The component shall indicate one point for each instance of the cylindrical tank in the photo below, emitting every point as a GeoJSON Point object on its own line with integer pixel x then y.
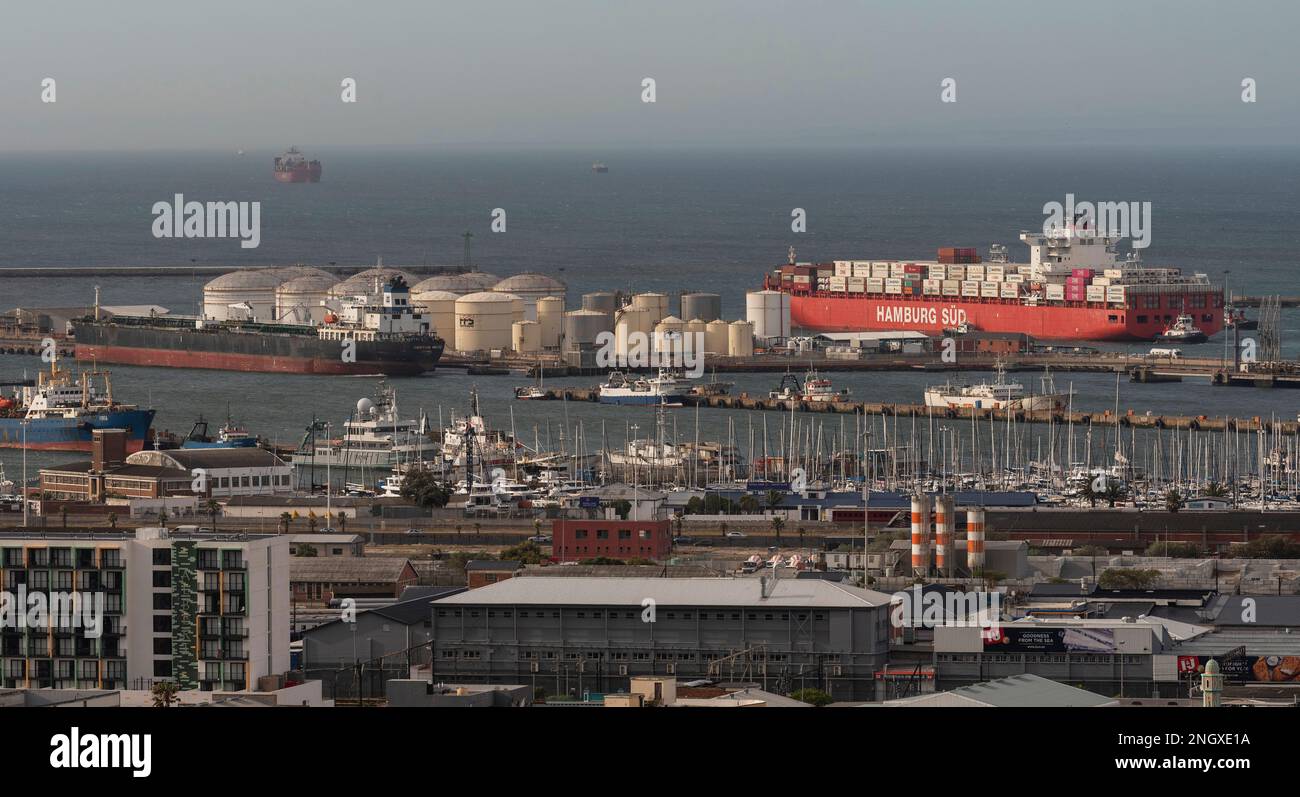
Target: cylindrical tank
{"type": "Point", "coordinates": [363, 283]}
{"type": "Point", "coordinates": [769, 312]}
{"type": "Point", "coordinates": [668, 335]}
{"type": "Point", "coordinates": [704, 306]}
{"type": "Point", "coordinates": [440, 307]}
{"type": "Point", "coordinates": [944, 523]}
{"type": "Point", "coordinates": [484, 319]}
{"type": "Point", "coordinates": [740, 339]}
{"type": "Point", "coordinates": [920, 535]}
{"type": "Point", "coordinates": [466, 282]}
{"type": "Point", "coordinates": [530, 288]}
{"type": "Point", "coordinates": [697, 333]}
{"type": "Point", "coordinates": [582, 327]}
{"type": "Point", "coordinates": [253, 287]}
{"type": "Point", "coordinates": [632, 330]}
{"type": "Point", "coordinates": [299, 300]}
{"type": "Point", "coordinates": [715, 338]}
{"type": "Point", "coordinates": [550, 314]}
{"type": "Point", "coordinates": [974, 539]}
{"type": "Point", "coordinates": [601, 302]}
{"type": "Point", "coordinates": [655, 303]}
{"type": "Point", "coordinates": [526, 337]}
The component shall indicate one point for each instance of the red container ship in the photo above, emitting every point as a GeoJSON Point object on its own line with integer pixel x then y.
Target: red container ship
{"type": "Point", "coordinates": [293, 167]}
{"type": "Point", "coordinates": [1074, 287]}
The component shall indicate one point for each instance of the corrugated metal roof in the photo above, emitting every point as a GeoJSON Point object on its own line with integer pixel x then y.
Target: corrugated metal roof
{"type": "Point", "coordinates": [785, 592]}
{"type": "Point", "coordinates": [345, 569]}
{"type": "Point", "coordinates": [1025, 690]}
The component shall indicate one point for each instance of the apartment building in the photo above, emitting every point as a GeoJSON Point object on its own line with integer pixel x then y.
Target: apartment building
{"type": "Point", "coordinates": [205, 611]}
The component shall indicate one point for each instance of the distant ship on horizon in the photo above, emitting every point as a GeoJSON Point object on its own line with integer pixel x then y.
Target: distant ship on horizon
{"type": "Point", "coordinates": [599, 168]}
{"type": "Point", "coordinates": [293, 167]}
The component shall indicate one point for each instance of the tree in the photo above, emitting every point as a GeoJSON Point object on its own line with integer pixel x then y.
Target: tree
{"type": "Point", "coordinates": [1115, 491]}
{"type": "Point", "coordinates": [306, 550]}
{"type": "Point", "coordinates": [1215, 490]}
{"type": "Point", "coordinates": [422, 488]}
{"type": "Point", "coordinates": [773, 498]}
{"type": "Point", "coordinates": [285, 520]}
{"type": "Point", "coordinates": [1273, 546]}
{"type": "Point", "coordinates": [1128, 578]}
{"type": "Point", "coordinates": [162, 516]}
{"type": "Point", "coordinates": [164, 694]}
{"type": "Point", "coordinates": [1173, 500]}
{"type": "Point", "coordinates": [1176, 550]}
{"type": "Point", "coordinates": [622, 508]}
{"type": "Point", "coordinates": [213, 508]}
{"type": "Point", "coordinates": [528, 552]}
{"type": "Point", "coordinates": [815, 697]}
{"type": "Point", "coordinates": [749, 504]}
{"type": "Point", "coordinates": [801, 533]}
{"type": "Point", "coordinates": [311, 523]}
{"type": "Point", "coordinates": [1089, 494]}
{"type": "Point", "coordinates": [778, 523]}
{"type": "Point", "coordinates": [112, 521]}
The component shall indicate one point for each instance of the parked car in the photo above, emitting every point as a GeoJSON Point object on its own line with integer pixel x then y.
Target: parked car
{"type": "Point", "coordinates": [735, 534]}
{"type": "Point", "coordinates": [540, 539]}
{"type": "Point", "coordinates": [415, 531]}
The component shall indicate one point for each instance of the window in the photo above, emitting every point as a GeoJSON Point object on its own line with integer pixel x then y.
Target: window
{"type": "Point", "coordinates": [162, 646]}
{"type": "Point", "coordinates": [162, 556]}
{"type": "Point", "coordinates": [162, 623]}
{"type": "Point", "coordinates": [602, 534]}
{"type": "Point", "coordinates": [162, 668]}
{"type": "Point", "coordinates": [162, 600]}
{"type": "Point", "coordinates": [162, 578]}
{"type": "Point", "coordinates": [625, 534]}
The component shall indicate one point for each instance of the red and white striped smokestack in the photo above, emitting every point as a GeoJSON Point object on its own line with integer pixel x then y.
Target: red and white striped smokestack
{"type": "Point", "coordinates": [920, 535]}
{"type": "Point", "coordinates": [974, 539]}
{"type": "Point", "coordinates": [944, 525]}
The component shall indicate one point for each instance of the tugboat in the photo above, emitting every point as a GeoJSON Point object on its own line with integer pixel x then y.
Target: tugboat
{"type": "Point", "coordinates": [814, 388]}
{"type": "Point", "coordinates": [228, 436]}
{"type": "Point", "coordinates": [1183, 330]}
{"type": "Point", "coordinates": [1236, 319]}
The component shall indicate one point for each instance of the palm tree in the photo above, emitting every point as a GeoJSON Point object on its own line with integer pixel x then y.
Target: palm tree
{"type": "Point", "coordinates": [164, 694]}
{"type": "Point", "coordinates": [162, 517]}
{"type": "Point", "coordinates": [778, 523]}
{"type": "Point", "coordinates": [112, 521]}
{"type": "Point", "coordinates": [773, 498]}
{"type": "Point", "coordinates": [285, 520]}
{"type": "Point", "coordinates": [212, 508]}
{"type": "Point", "coordinates": [1173, 500]}
{"type": "Point", "coordinates": [1115, 490]}
{"type": "Point", "coordinates": [1215, 490]}
{"type": "Point", "coordinates": [311, 523]}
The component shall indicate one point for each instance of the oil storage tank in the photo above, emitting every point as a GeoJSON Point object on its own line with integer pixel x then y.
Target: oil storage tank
{"type": "Point", "coordinates": [656, 304]}
{"type": "Point", "coordinates": [466, 282]}
{"type": "Point", "coordinates": [531, 287]}
{"type": "Point", "coordinates": [550, 315]}
{"type": "Point", "coordinates": [769, 312]}
{"type": "Point", "coordinates": [252, 287]}
{"type": "Point", "coordinates": [582, 330]}
{"type": "Point", "coordinates": [703, 306]}
{"type": "Point", "coordinates": [440, 307]}
{"type": "Point", "coordinates": [600, 301]}
{"type": "Point", "coordinates": [526, 337]}
{"type": "Point", "coordinates": [715, 338]}
{"type": "Point", "coordinates": [740, 339]}
{"type": "Point", "coordinates": [484, 320]}
{"type": "Point", "coordinates": [633, 329]}
{"type": "Point", "coordinates": [301, 299]}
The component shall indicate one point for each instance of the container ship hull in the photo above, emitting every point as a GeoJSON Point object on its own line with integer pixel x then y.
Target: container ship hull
{"type": "Point", "coordinates": [934, 315]}
{"type": "Point", "coordinates": [234, 349]}
{"type": "Point", "coordinates": [75, 434]}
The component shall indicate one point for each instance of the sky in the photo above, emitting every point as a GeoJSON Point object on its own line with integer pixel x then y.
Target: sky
{"type": "Point", "coordinates": [154, 75]}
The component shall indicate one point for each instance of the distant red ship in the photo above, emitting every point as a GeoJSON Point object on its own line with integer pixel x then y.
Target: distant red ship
{"type": "Point", "coordinates": [292, 167]}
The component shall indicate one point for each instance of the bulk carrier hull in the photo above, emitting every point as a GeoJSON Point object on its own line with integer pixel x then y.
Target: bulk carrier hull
{"type": "Point", "coordinates": [934, 315]}
{"type": "Point", "coordinates": [257, 348]}
{"type": "Point", "coordinates": [75, 434]}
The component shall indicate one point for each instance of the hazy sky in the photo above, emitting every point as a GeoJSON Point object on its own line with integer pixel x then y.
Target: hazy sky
{"type": "Point", "coordinates": [150, 74]}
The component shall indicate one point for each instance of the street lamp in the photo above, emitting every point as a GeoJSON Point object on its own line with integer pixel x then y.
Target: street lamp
{"type": "Point", "coordinates": [23, 490]}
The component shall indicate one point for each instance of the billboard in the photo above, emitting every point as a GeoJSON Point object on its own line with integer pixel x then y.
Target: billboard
{"type": "Point", "coordinates": [1048, 640]}
{"type": "Point", "coordinates": [1270, 669]}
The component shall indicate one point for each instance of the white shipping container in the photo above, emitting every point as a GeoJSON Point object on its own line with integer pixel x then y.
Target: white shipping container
{"type": "Point", "coordinates": [861, 269]}
{"type": "Point", "coordinates": [994, 273]}
{"type": "Point", "coordinates": [1095, 293]}
{"type": "Point", "coordinates": [1115, 293]}
{"type": "Point", "coordinates": [839, 284]}
{"type": "Point", "coordinates": [1016, 278]}
{"type": "Point", "coordinates": [989, 290]}
{"type": "Point", "coordinates": [930, 283]}
{"type": "Point", "coordinates": [956, 272]}
{"type": "Point", "coordinates": [1010, 290]}
{"type": "Point", "coordinates": [951, 288]}
{"type": "Point", "coordinates": [893, 283]}
{"type": "Point", "coordinates": [970, 289]}
{"type": "Point", "coordinates": [875, 285]}
{"type": "Point", "coordinates": [1113, 273]}
{"type": "Point", "coordinates": [894, 288]}
{"type": "Point", "coordinates": [932, 290]}
{"type": "Point", "coordinates": [975, 273]}
{"type": "Point", "coordinates": [880, 270]}
{"type": "Point", "coordinates": [1055, 292]}
{"type": "Point", "coordinates": [936, 272]}
{"type": "Point", "coordinates": [843, 268]}
{"type": "Point", "coordinates": [857, 287]}
{"type": "Point", "coordinates": [1101, 281]}
{"type": "Point", "coordinates": [897, 270]}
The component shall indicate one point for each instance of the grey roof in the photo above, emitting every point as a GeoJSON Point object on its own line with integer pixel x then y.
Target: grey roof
{"type": "Point", "coordinates": [326, 539]}
{"type": "Point", "coordinates": [288, 501]}
{"type": "Point", "coordinates": [622, 571]}
{"type": "Point", "coordinates": [784, 592]}
{"type": "Point", "coordinates": [1025, 690]}
{"type": "Point", "coordinates": [1267, 610]}
{"type": "Point", "coordinates": [415, 609]}
{"type": "Point", "coordinates": [623, 492]}
{"type": "Point", "coordinates": [189, 458]}
{"type": "Point", "coordinates": [346, 569]}
{"type": "Point", "coordinates": [494, 565]}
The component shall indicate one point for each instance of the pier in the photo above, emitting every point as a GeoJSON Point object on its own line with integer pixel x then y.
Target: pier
{"type": "Point", "coordinates": [1131, 419]}
{"type": "Point", "coordinates": [58, 272]}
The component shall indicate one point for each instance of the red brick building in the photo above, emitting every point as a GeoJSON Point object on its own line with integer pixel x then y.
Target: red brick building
{"type": "Point", "coordinates": [575, 540]}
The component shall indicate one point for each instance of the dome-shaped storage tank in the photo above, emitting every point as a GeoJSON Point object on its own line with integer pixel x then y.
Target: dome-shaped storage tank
{"type": "Point", "coordinates": [252, 287]}
{"type": "Point", "coordinates": [364, 283]}
{"type": "Point", "coordinates": [550, 314]}
{"type": "Point", "coordinates": [467, 282]}
{"type": "Point", "coordinates": [301, 299]}
{"type": "Point", "coordinates": [440, 307]}
{"type": "Point", "coordinates": [704, 306]}
{"type": "Point", "coordinates": [740, 339]}
{"type": "Point", "coordinates": [655, 303]}
{"type": "Point", "coordinates": [530, 287]}
{"type": "Point", "coordinates": [715, 338]}
{"type": "Point", "coordinates": [526, 337]}
{"type": "Point", "coordinates": [600, 301]}
{"type": "Point", "coordinates": [633, 329]}
{"type": "Point", "coordinates": [769, 312]}
{"type": "Point", "coordinates": [483, 321]}
{"type": "Point", "coordinates": [668, 334]}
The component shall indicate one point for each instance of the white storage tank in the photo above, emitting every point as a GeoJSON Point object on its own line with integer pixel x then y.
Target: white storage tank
{"type": "Point", "coordinates": [601, 302]}
{"type": "Point", "coordinates": [582, 327]}
{"type": "Point", "coordinates": [655, 303]}
{"type": "Point", "coordinates": [253, 287]}
{"type": "Point", "coordinates": [697, 333]}
{"type": "Point", "coordinates": [668, 334]}
{"type": "Point", "coordinates": [740, 339]}
{"type": "Point", "coordinates": [715, 338]}
{"type": "Point", "coordinates": [550, 314]}
{"type": "Point", "coordinates": [467, 282]}
{"type": "Point", "coordinates": [440, 308]}
{"type": "Point", "coordinates": [632, 321]}
{"type": "Point", "coordinates": [299, 300]}
{"type": "Point", "coordinates": [769, 313]}
{"type": "Point", "coordinates": [526, 337]}
{"type": "Point", "coordinates": [484, 320]}
{"type": "Point", "coordinates": [704, 306]}
{"type": "Point", "coordinates": [530, 287]}
{"type": "Point", "coordinates": [363, 283]}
